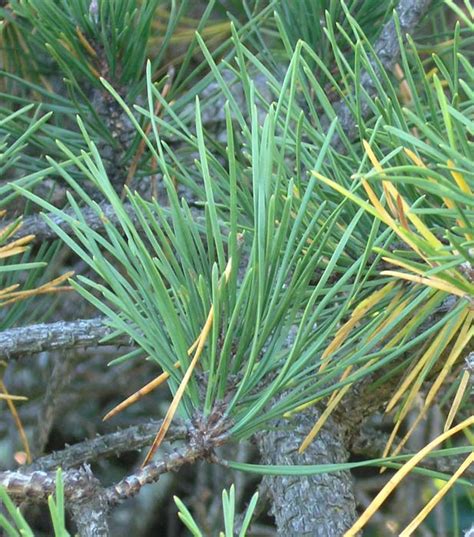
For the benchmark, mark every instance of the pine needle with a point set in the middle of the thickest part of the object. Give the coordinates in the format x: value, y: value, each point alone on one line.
x: 437, y: 498
x: 16, y: 418
x: 201, y: 341
x: 400, y: 475
x: 139, y: 394
x: 462, y: 341
x: 457, y: 399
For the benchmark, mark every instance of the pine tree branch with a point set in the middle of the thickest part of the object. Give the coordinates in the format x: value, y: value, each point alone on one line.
x: 17, y: 342
x: 36, y: 225
x: 87, y: 499
x: 81, y: 486
x: 132, y: 484
x: 112, y: 444
x: 320, y: 505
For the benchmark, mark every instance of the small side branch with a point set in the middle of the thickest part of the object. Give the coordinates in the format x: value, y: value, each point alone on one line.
x: 81, y: 486
x: 36, y: 225
x: 17, y: 342
x: 129, y: 439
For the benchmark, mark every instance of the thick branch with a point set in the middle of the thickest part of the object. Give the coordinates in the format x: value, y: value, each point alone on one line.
x: 17, y: 342
x: 321, y: 505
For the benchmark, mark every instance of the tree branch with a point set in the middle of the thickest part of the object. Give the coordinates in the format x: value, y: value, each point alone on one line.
x: 129, y: 439
x: 132, y: 484
x: 320, y: 505
x: 17, y: 342
x: 36, y: 225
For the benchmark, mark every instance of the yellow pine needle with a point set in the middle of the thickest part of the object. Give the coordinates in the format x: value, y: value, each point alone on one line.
x: 49, y: 287
x: 16, y: 247
x: 9, y: 397
x: 335, y: 399
x: 58, y: 280
x: 435, y: 283
x: 12, y: 251
x: 323, y: 418
x: 442, y: 338
x: 459, y: 178
x: 142, y: 145
x: 401, y: 214
x: 17, y: 420
x: 405, y: 91
x: 404, y: 265
x: 344, y: 375
x: 389, y: 443
x: 457, y: 399
x: 85, y: 43
x: 7, y: 290
x: 395, y: 312
x: 22, y: 295
x: 388, y: 197
x: 417, y: 160
x: 419, y: 225
x: 435, y: 500
x: 464, y: 187
x: 18, y: 242
x: 359, y: 312
x: 67, y: 45
x: 347, y: 193
x: 139, y: 394
x: 383, y: 215
x: 463, y: 339
x: 8, y: 231
x: 201, y: 341
x: 401, y: 474
x: 414, y: 157
x: 148, y: 388
x: 180, y: 392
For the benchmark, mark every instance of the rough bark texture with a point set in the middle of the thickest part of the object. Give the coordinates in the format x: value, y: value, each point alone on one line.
x: 90, y: 512
x: 108, y: 445
x: 31, y: 339
x: 36, y: 224
x: 321, y: 505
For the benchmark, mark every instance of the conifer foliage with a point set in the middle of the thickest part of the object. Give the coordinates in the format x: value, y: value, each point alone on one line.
x: 236, y: 241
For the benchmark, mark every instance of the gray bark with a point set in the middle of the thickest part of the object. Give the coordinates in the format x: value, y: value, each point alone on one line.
x: 318, y: 506
x: 36, y: 225
x: 129, y: 439
x: 18, y: 342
